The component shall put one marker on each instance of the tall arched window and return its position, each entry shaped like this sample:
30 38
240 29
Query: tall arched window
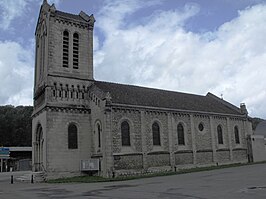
99 135
180 134
65 48
125 133
156 134
237 140
72 136
220 134
75 50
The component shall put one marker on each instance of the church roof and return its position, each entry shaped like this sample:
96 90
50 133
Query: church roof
142 96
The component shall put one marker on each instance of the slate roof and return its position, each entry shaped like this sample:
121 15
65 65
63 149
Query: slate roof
142 96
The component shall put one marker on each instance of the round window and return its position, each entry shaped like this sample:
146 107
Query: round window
201 127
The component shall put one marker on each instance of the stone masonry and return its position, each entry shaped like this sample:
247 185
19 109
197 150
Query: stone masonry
77 118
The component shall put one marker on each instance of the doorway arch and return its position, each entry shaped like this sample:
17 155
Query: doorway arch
38 149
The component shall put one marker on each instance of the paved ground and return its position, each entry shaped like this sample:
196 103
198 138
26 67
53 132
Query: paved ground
239 182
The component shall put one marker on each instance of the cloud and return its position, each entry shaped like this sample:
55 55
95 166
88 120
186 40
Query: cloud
162 54
11 10
16 73
56 2
113 12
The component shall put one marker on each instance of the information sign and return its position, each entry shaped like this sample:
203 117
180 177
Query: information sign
4 153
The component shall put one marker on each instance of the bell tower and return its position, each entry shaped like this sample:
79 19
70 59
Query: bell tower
70 44
61 129
64 50
64 44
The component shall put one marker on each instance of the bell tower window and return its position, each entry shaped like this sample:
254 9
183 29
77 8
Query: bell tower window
75 50
65 48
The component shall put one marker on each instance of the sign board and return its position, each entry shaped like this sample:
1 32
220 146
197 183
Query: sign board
4 157
4 151
90 165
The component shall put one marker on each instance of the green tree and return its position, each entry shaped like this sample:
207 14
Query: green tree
15 125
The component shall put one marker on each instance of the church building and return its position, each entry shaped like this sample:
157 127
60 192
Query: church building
81 124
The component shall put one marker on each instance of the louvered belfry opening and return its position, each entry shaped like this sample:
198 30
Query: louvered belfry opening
65 48
75 50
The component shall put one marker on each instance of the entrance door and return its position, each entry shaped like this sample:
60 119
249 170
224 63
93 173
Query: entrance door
38 150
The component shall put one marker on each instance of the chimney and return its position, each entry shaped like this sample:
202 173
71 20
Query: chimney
243 109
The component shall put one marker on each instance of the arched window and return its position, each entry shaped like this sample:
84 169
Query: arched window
180 134
156 134
237 140
99 135
75 50
125 133
220 134
65 48
72 136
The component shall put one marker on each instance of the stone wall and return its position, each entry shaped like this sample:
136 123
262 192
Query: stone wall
133 118
123 162
184 119
162 119
56 29
203 149
40 120
203 139
223 156
59 156
96 105
183 158
204 157
223 123
239 155
242 133
158 159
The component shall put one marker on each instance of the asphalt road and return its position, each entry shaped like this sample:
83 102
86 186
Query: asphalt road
238 182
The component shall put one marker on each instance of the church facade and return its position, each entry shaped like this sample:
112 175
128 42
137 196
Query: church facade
125 129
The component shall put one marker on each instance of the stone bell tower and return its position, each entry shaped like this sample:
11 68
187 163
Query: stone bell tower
63 74
64 46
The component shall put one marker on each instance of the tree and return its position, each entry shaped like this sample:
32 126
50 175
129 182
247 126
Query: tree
15 125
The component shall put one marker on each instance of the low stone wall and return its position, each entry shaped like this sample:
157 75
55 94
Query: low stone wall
129 161
51 175
223 155
204 157
158 159
240 155
183 157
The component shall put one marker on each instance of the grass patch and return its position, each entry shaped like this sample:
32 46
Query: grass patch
84 179
93 179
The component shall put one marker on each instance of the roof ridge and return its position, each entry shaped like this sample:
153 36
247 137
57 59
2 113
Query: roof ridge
228 104
153 97
144 87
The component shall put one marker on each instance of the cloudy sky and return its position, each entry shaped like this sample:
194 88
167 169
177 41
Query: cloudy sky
198 46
